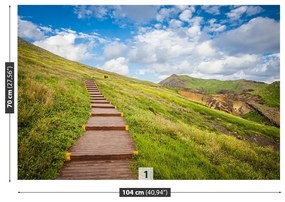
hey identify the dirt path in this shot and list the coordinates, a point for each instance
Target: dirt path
(106, 148)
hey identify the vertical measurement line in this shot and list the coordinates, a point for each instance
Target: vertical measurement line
(9, 147)
(9, 33)
(13, 78)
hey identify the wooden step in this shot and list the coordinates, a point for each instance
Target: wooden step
(90, 84)
(99, 105)
(95, 93)
(105, 112)
(89, 127)
(98, 98)
(99, 101)
(105, 123)
(96, 170)
(87, 157)
(92, 88)
(94, 97)
(100, 145)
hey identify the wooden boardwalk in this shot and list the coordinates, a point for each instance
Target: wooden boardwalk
(106, 148)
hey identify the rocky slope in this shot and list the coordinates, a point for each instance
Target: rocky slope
(235, 97)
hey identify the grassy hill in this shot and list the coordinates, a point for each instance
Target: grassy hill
(270, 93)
(178, 138)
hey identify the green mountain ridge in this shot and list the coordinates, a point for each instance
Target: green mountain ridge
(178, 138)
(252, 100)
(269, 92)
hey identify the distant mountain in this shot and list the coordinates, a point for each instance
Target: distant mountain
(210, 86)
(238, 97)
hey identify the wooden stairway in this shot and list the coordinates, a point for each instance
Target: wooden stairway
(106, 148)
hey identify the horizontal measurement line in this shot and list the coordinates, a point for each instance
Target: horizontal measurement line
(227, 192)
(175, 192)
(67, 192)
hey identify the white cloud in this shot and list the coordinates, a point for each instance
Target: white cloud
(118, 65)
(179, 67)
(136, 14)
(253, 10)
(63, 44)
(182, 7)
(114, 50)
(29, 30)
(228, 64)
(205, 49)
(259, 35)
(218, 28)
(99, 12)
(215, 10)
(131, 13)
(167, 13)
(145, 71)
(141, 72)
(268, 68)
(186, 15)
(158, 26)
(163, 14)
(196, 20)
(46, 29)
(175, 23)
(236, 13)
(215, 27)
(158, 46)
(194, 31)
(92, 38)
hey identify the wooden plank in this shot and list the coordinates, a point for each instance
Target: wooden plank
(103, 143)
(93, 96)
(95, 93)
(99, 105)
(96, 170)
(105, 112)
(99, 101)
(98, 98)
(105, 123)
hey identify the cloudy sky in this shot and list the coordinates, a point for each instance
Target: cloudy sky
(153, 42)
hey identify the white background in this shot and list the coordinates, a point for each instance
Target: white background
(9, 191)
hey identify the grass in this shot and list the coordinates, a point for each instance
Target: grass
(255, 116)
(176, 137)
(211, 86)
(53, 105)
(270, 94)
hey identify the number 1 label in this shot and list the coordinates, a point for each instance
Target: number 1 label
(145, 173)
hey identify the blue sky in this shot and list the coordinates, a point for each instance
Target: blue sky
(153, 42)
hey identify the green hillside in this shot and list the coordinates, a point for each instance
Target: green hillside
(178, 138)
(270, 93)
